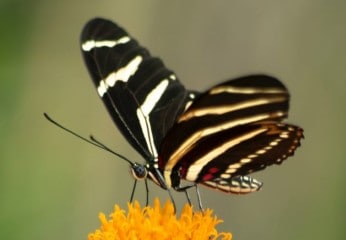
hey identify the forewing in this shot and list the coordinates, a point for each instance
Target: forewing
(143, 97)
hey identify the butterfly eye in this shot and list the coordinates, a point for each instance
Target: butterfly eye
(139, 171)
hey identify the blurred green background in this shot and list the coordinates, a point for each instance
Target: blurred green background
(53, 185)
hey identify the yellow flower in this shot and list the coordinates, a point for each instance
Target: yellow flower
(158, 223)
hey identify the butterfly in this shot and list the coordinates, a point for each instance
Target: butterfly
(214, 138)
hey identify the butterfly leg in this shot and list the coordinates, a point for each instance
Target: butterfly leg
(188, 197)
(161, 181)
(199, 198)
(172, 199)
(185, 188)
(147, 191)
(133, 190)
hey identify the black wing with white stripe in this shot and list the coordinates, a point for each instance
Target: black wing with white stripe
(143, 97)
(232, 130)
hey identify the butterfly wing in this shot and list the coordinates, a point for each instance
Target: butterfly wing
(143, 97)
(232, 130)
(228, 132)
(252, 148)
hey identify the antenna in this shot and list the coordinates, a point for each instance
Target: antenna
(92, 140)
(98, 144)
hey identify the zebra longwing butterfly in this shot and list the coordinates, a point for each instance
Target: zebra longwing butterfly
(215, 138)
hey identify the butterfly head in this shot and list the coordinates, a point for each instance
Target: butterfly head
(139, 171)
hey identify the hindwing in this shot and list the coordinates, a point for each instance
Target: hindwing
(231, 130)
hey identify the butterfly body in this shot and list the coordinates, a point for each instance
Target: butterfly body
(215, 138)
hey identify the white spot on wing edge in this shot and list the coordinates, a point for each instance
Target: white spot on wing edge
(123, 74)
(102, 88)
(225, 175)
(231, 170)
(91, 44)
(172, 77)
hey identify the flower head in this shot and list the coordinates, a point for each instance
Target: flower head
(158, 223)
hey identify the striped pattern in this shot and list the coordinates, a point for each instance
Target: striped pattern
(232, 130)
(215, 138)
(137, 89)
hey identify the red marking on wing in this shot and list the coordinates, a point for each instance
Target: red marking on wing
(208, 177)
(210, 174)
(213, 170)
